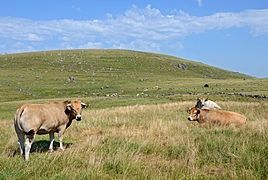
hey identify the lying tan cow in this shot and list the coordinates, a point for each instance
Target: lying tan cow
(210, 117)
(32, 119)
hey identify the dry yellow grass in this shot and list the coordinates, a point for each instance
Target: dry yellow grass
(148, 142)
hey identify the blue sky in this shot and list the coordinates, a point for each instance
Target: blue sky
(228, 34)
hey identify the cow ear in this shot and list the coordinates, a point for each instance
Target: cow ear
(84, 105)
(206, 99)
(67, 110)
(188, 110)
(69, 107)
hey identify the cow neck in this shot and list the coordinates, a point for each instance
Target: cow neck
(199, 117)
(69, 123)
(68, 116)
(70, 120)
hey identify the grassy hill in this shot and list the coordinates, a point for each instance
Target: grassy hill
(130, 136)
(83, 73)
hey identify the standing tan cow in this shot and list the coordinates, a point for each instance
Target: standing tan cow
(209, 117)
(32, 119)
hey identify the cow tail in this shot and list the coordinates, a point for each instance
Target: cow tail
(16, 122)
(17, 119)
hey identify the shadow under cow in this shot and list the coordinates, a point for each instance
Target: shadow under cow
(42, 146)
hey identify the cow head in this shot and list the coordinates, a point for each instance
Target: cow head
(193, 114)
(74, 109)
(200, 102)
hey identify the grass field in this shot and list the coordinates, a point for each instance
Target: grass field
(153, 141)
(83, 73)
(132, 137)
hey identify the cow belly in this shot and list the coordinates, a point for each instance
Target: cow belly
(49, 125)
(45, 131)
(42, 131)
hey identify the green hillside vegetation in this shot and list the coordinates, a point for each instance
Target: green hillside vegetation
(83, 73)
(130, 130)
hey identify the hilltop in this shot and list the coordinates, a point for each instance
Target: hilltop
(83, 73)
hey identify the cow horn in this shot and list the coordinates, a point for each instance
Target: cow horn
(69, 105)
(84, 105)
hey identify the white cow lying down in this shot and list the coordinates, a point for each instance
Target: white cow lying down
(203, 103)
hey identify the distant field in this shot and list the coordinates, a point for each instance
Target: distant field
(131, 131)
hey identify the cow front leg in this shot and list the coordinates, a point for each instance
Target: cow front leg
(51, 137)
(28, 144)
(60, 138)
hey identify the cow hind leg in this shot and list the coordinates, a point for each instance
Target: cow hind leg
(21, 139)
(28, 143)
(51, 136)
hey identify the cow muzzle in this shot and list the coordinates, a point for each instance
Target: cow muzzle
(190, 118)
(78, 117)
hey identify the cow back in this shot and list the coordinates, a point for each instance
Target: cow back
(222, 117)
(42, 117)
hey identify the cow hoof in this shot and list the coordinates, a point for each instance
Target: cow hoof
(50, 150)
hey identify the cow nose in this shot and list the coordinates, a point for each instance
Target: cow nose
(78, 117)
(190, 118)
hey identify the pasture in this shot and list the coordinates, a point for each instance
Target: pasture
(130, 136)
(144, 141)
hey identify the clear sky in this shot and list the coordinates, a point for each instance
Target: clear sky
(230, 34)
